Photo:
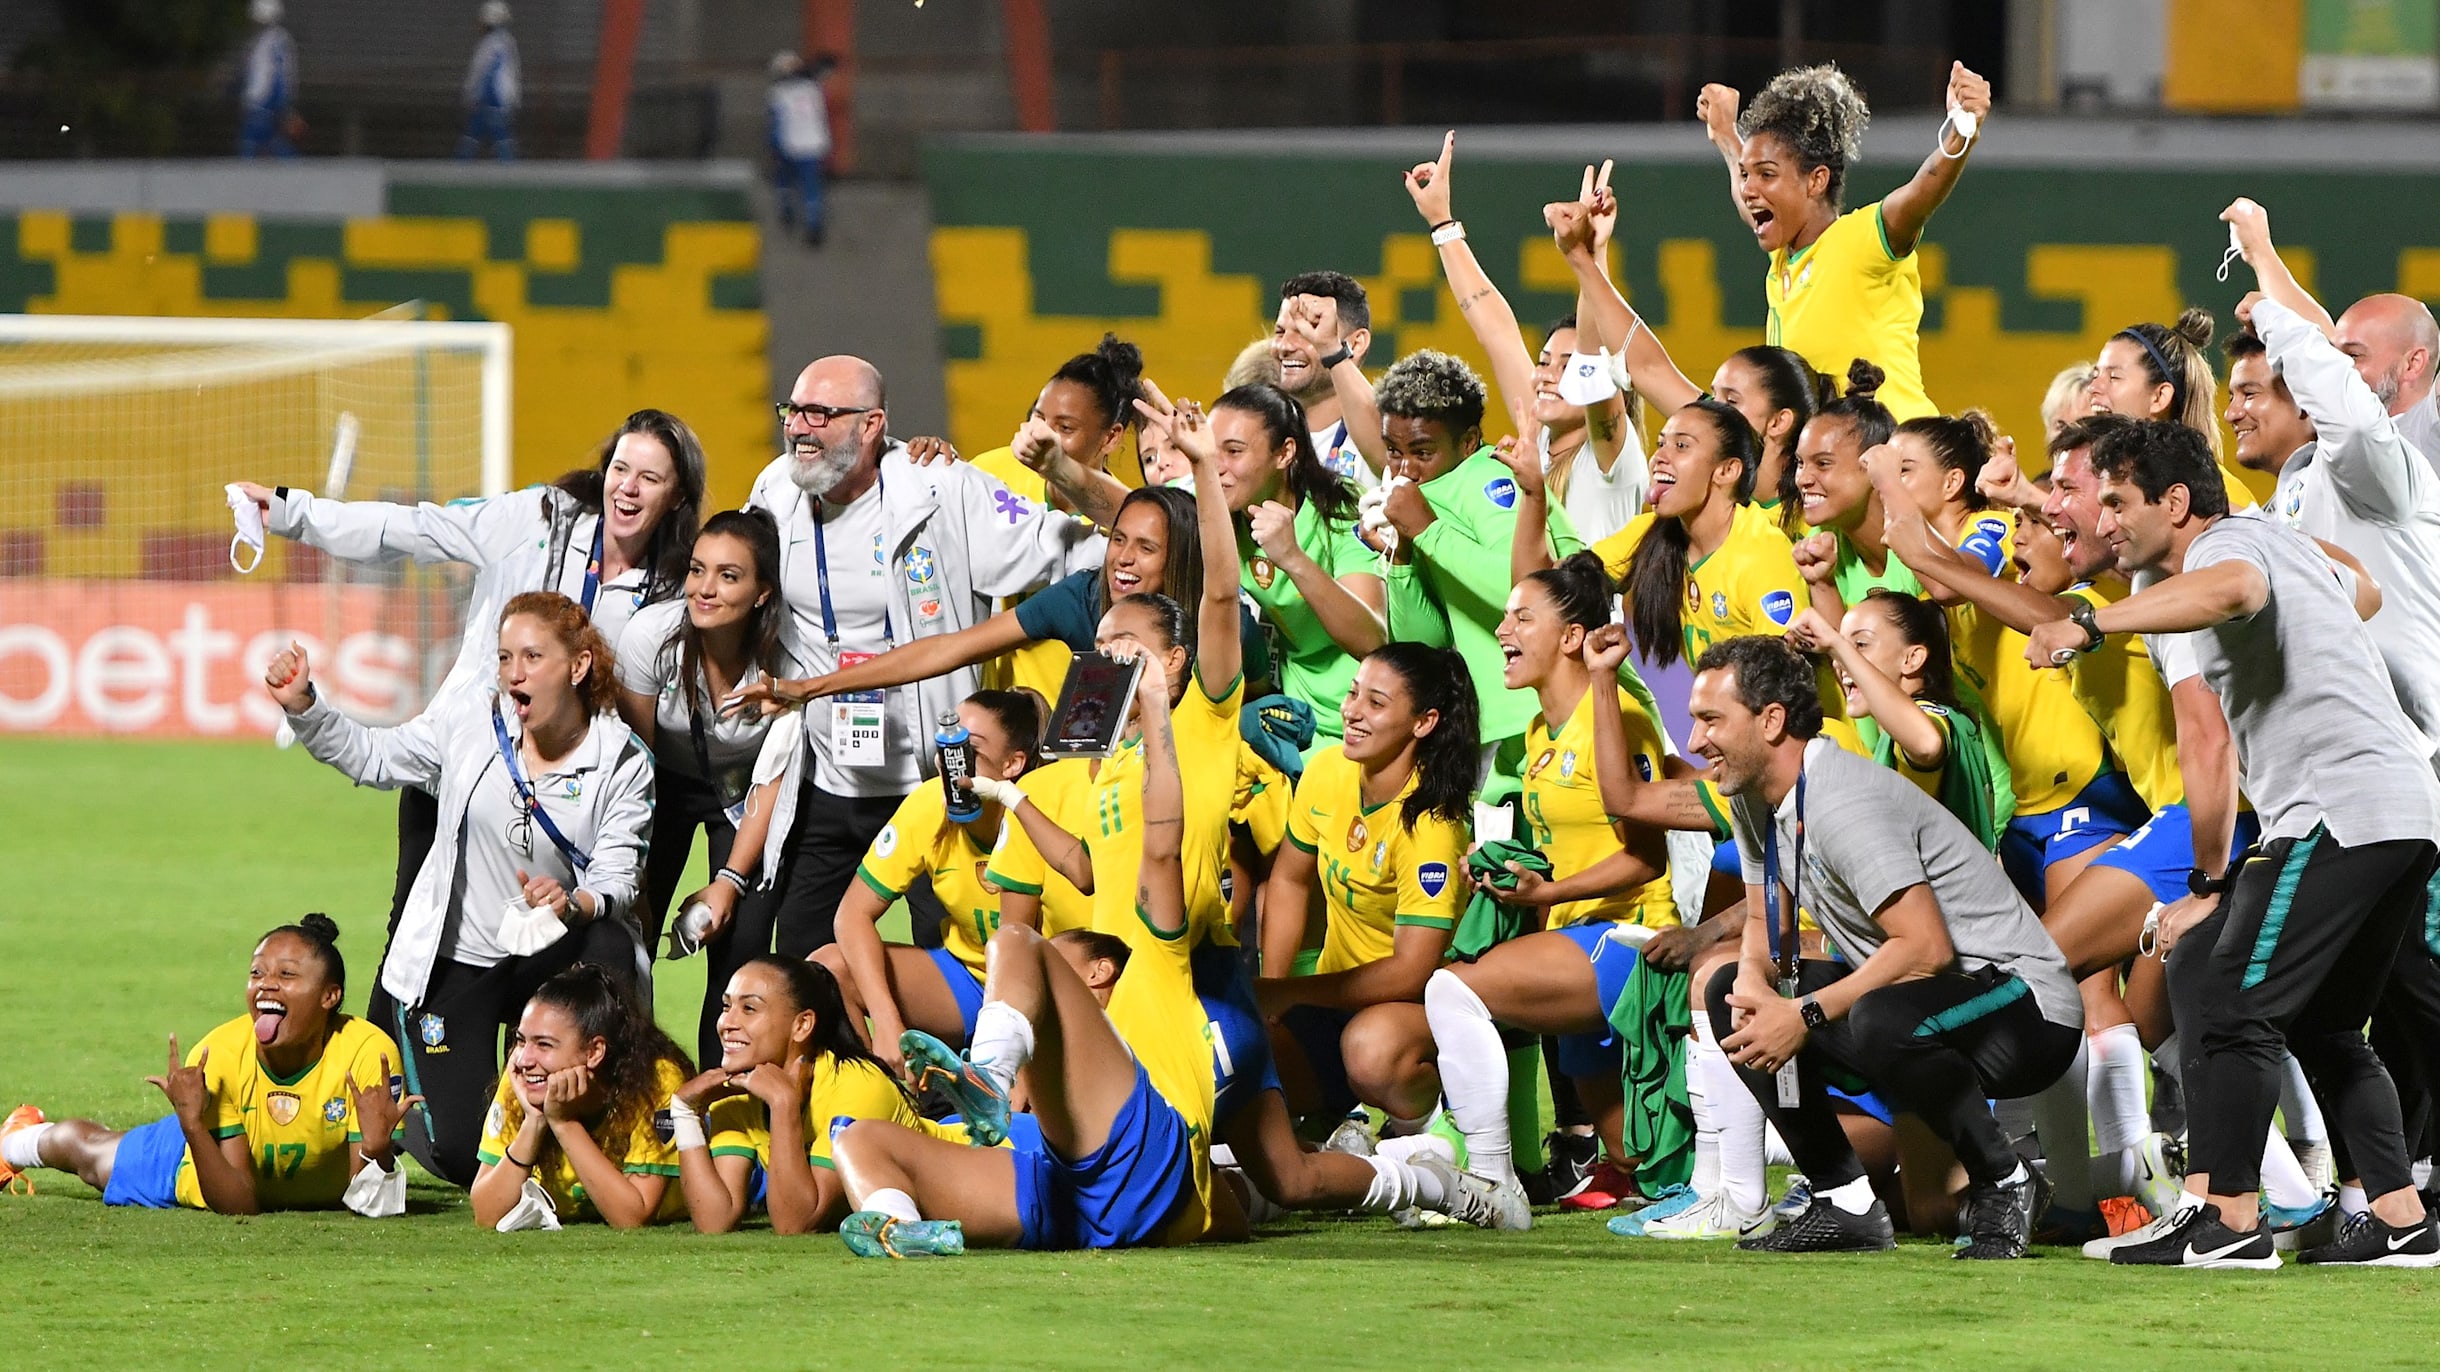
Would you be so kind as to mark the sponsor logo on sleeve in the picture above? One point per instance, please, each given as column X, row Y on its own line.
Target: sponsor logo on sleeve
column 1779, row 607
column 1433, row 877
column 1502, row 491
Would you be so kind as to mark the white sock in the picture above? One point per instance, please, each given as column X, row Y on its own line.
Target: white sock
column 2297, row 1107
column 24, row 1148
column 1003, row 1044
column 2284, row 1182
column 1775, row 1149
column 1855, row 1197
column 1408, row 1147
column 1473, row 1072
column 1706, row 1178
column 1736, row 1116
column 2016, row 1175
column 2114, row 1092
column 2114, row 1174
column 1397, row 1185
column 2058, row 1115
column 896, row 1204
column 2352, row 1201
column 2421, row 1171
column 1398, row 1126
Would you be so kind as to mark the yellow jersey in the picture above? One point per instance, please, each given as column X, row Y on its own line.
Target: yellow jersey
column 1378, row 876
column 1262, row 800
column 2121, row 690
column 740, row 1126
column 2054, row 749
column 1040, row 665
column 920, row 838
column 1063, row 792
column 297, row 1128
column 1845, row 296
column 1570, row 825
column 1747, row 585
column 1208, row 745
column 1157, row 1014
column 643, row 1152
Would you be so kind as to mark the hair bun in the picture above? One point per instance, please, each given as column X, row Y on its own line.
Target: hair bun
column 1125, row 360
column 321, row 926
column 2195, row 326
column 1985, row 430
column 1864, row 380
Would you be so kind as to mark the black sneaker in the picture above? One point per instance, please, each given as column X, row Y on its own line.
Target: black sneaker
column 2370, row 1241
column 1572, row 1160
column 2195, row 1237
column 1825, row 1228
column 1998, row 1220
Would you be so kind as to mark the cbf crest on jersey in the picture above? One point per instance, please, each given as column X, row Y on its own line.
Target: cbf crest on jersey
column 334, row 1110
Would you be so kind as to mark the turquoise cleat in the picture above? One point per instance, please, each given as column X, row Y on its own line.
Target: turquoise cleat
column 871, row 1234
column 932, row 1063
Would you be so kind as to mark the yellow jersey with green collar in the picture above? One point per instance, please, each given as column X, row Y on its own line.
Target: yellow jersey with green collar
column 1847, row 296
column 2121, row 691
column 740, row 1126
column 1747, row 585
column 1263, row 795
column 298, row 1129
column 1377, row 875
column 1063, row 791
column 1208, row 745
column 2054, row 749
column 920, row 839
column 1566, row 820
column 643, row 1152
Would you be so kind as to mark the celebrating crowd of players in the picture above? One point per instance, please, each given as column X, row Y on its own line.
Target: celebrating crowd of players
column 1995, row 795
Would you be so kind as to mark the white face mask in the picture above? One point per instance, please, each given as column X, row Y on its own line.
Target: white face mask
column 249, row 517
column 1587, row 379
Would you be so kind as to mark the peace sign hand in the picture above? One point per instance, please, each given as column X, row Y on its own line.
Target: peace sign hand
column 186, row 1088
column 1599, row 204
column 1428, row 184
column 1180, row 425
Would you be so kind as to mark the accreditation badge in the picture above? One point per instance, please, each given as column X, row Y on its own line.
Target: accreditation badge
column 857, row 721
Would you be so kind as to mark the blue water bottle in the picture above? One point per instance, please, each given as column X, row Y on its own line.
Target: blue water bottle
column 956, row 748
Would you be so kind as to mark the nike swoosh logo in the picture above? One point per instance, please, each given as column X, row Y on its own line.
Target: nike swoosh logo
column 2400, row 1241
column 2192, row 1256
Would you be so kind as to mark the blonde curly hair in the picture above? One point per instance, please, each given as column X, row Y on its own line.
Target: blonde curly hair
column 1819, row 114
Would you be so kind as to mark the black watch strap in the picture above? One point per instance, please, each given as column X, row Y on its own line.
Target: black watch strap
column 1337, row 356
column 1811, row 1012
column 2202, row 885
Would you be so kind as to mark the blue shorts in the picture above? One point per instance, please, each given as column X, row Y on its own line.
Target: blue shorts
column 2106, row 808
column 1597, row 1054
column 1318, row 1031
column 1117, row 1196
column 2162, row 851
column 1725, row 862
column 145, row 1170
column 963, row 984
column 1241, row 1045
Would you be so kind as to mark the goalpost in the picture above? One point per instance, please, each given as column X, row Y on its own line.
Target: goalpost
column 120, row 610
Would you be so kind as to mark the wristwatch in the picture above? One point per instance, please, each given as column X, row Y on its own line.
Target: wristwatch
column 2081, row 615
column 1810, row 1010
column 1334, row 358
column 2203, row 885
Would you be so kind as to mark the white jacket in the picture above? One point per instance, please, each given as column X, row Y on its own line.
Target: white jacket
column 537, row 539
column 446, row 751
column 2363, row 487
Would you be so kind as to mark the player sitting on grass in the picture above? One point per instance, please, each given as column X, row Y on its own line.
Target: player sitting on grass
column 755, row 1128
column 571, row 1134
column 286, row 1107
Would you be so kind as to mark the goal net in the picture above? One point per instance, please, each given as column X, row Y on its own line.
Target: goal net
column 120, row 609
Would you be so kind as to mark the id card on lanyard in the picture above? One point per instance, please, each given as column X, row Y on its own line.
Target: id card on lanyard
column 1784, row 952
column 858, row 719
column 735, row 810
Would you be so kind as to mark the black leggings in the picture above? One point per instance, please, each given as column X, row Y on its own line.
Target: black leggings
column 829, row 839
column 1940, row 1048
column 681, row 804
column 453, row 1039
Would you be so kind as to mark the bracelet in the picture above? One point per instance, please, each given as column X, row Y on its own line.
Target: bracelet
column 509, row 1156
column 1442, row 225
column 1445, row 234
column 734, row 878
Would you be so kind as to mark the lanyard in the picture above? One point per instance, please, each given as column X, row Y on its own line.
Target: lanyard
column 821, row 567
column 593, row 568
column 1783, row 957
column 577, row 857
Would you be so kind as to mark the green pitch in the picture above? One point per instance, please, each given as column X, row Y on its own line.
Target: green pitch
column 138, row 876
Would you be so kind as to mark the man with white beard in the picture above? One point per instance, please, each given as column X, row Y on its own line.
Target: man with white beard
column 875, row 552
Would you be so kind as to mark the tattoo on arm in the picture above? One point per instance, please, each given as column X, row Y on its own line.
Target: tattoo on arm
column 1469, row 302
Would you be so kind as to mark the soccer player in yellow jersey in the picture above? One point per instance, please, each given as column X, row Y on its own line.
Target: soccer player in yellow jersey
column 898, row 986
column 1609, row 890
column 1842, row 284
column 291, row 1106
column 571, row 1134
column 1033, row 890
column 2163, row 371
column 755, row 1129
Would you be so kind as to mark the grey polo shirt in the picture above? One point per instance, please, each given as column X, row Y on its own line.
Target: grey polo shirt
column 2319, row 733
column 1870, row 834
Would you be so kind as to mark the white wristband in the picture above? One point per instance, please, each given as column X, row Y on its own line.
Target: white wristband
column 1451, row 232
column 685, row 1126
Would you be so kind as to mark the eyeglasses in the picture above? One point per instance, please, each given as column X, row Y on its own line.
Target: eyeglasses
column 817, row 415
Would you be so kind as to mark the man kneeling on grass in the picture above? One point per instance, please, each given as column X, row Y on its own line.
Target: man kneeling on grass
column 1945, row 992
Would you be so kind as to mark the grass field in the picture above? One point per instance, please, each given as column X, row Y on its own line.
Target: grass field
column 138, row 876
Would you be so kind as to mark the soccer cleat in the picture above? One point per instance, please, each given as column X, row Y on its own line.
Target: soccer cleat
column 2370, row 1241
column 2151, row 1228
column 1353, row 1137
column 2193, row 1236
column 871, row 1234
column 1999, row 1219
column 2160, row 1171
column 1672, row 1200
column 1799, row 1196
column 1607, row 1187
column 1712, row 1218
column 1825, row 1228
column 935, row 1066
column 1573, row 1159
column 2122, row 1215
column 23, row 1117
column 1475, row 1200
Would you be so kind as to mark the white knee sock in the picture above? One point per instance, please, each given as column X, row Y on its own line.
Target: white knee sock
column 2115, row 1094
column 2297, row 1107
column 1706, row 1178
column 896, row 1204
column 2284, row 1182
column 2058, row 1115
column 24, row 1148
column 1473, row 1072
column 1398, row 1126
column 1003, row 1044
column 1736, row 1116
column 1398, row 1184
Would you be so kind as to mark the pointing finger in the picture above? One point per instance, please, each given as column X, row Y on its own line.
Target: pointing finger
column 1448, row 145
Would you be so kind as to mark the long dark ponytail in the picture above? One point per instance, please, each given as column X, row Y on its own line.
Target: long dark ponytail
column 1655, row 582
column 1283, row 420
column 1924, row 625
column 812, row 987
column 633, row 1049
column 760, row 534
column 1788, row 383
column 1448, row 760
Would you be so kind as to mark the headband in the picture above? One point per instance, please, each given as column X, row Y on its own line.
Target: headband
column 2177, row 382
